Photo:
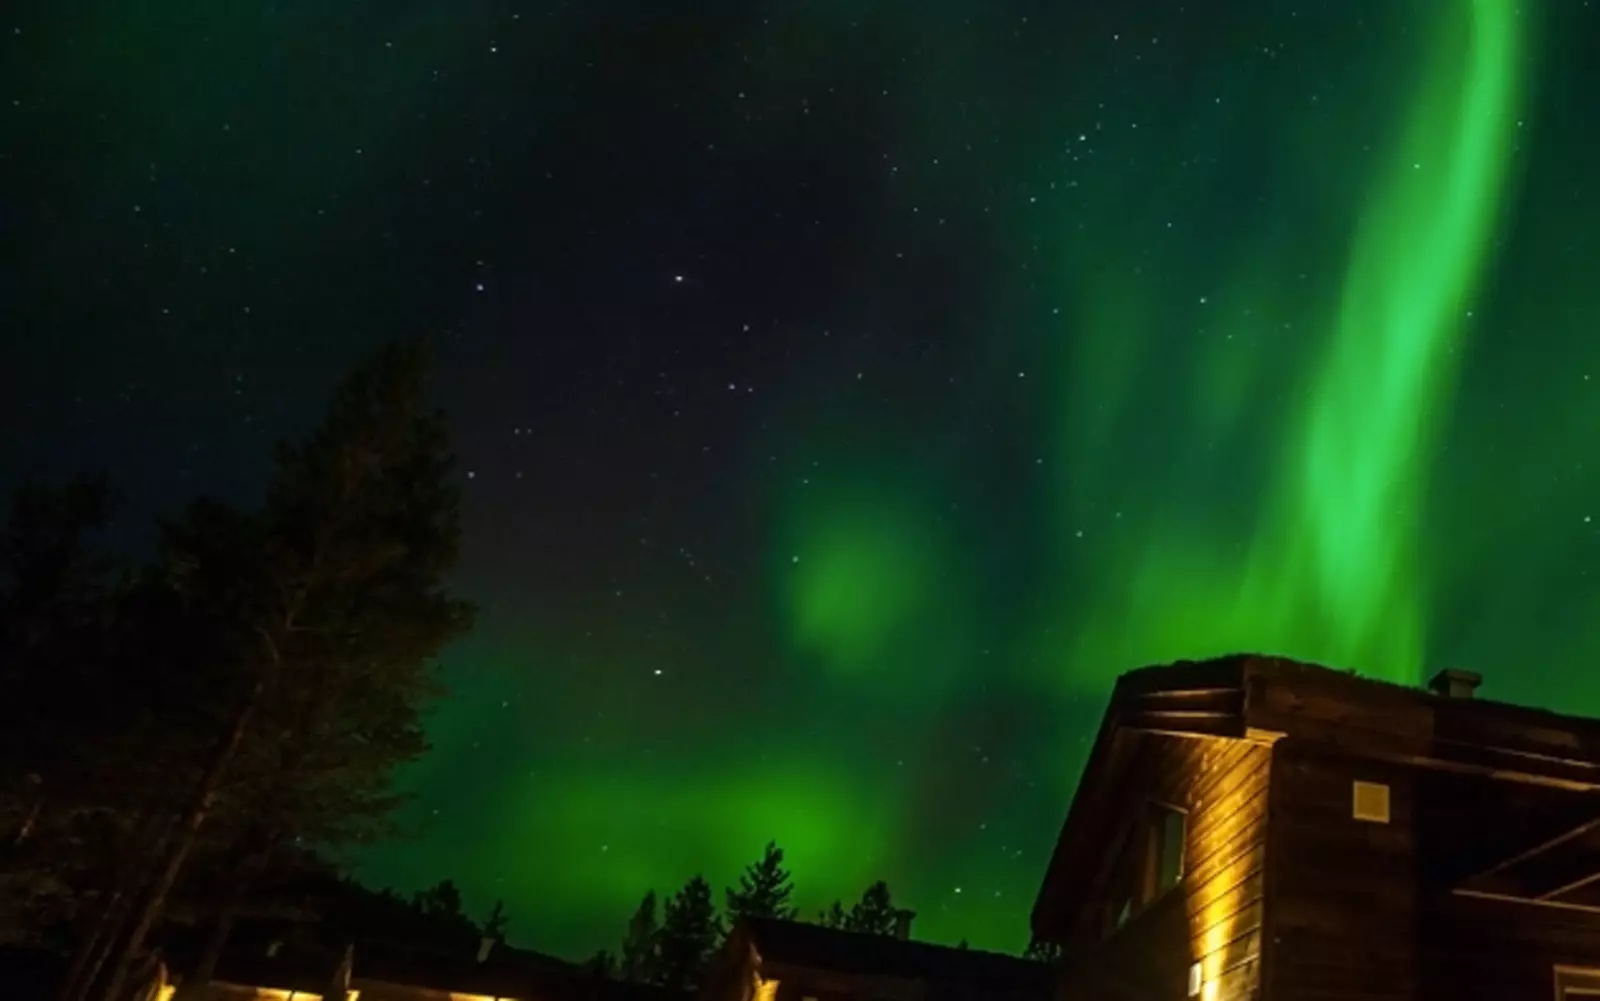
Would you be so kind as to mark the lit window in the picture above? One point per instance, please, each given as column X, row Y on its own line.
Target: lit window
column 1151, row 864
column 1167, row 836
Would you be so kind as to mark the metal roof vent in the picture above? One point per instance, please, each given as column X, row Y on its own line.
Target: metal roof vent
column 1452, row 683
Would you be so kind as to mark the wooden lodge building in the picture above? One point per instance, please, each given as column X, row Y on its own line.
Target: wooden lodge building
column 770, row 960
column 376, row 971
column 301, row 969
column 1246, row 829
column 1251, row 827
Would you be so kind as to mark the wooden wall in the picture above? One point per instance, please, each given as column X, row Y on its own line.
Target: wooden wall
column 1494, row 949
column 1214, row 916
column 1487, row 948
column 1364, row 910
column 1343, row 909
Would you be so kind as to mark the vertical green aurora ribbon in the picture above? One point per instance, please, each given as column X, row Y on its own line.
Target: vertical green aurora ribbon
column 1331, row 571
column 1354, row 482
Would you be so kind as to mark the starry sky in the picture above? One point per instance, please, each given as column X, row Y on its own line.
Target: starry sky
column 846, row 392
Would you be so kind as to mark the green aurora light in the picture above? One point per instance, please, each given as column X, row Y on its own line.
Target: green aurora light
column 1330, row 573
column 1168, row 335
column 1329, row 321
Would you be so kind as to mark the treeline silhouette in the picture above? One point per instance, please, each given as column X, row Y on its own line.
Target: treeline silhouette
column 186, row 735
column 670, row 942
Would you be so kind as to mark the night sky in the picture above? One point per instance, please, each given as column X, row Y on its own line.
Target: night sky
column 845, row 392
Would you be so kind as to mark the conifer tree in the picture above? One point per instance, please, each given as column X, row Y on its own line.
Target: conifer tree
column 689, row 933
column 332, row 605
column 494, row 926
column 1042, row 951
column 443, row 900
column 639, row 945
column 602, row 964
column 875, row 913
column 833, row 917
column 63, row 705
column 764, row 889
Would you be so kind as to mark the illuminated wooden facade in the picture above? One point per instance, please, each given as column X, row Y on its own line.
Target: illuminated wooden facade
column 1252, row 827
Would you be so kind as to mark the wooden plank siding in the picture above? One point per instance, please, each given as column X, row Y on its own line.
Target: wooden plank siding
column 1491, row 949
column 1286, row 895
column 1365, row 910
column 1344, row 892
column 1214, row 915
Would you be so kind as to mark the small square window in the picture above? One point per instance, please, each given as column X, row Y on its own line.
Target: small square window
column 1369, row 802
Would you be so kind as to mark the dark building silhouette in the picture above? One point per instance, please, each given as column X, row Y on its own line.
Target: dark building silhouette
column 375, row 971
column 769, row 960
column 371, row 946
column 1252, row 827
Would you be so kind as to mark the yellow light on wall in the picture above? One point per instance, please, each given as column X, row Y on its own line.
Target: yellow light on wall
column 1233, row 817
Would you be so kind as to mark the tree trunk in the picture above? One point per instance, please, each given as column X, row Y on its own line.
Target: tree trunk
column 194, row 817
column 96, row 946
column 195, row 981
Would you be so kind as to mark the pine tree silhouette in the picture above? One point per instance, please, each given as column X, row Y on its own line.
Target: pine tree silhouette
column 440, row 901
column 833, row 917
column 764, row 889
column 689, row 932
column 639, row 946
column 1042, row 951
column 494, row 926
column 874, row 913
column 602, row 964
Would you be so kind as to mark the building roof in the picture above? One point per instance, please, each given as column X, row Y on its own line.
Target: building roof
column 288, row 970
column 506, row 972
column 1258, row 698
column 794, row 943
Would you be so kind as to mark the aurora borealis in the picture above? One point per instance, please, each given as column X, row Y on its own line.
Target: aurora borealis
column 846, row 392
